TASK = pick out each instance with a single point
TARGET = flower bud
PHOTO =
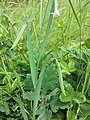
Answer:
(56, 13)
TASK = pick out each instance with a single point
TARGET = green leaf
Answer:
(15, 84)
(18, 36)
(1, 25)
(3, 50)
(28, 95)
(84, 109)
(71, 66)
(58, 116)
(71, 115)
(64, 65)
(71, 94)
(31, 57)
(66, 98)
(68, 87)
(53, 93)
(38, 88)
(44, 114)
(29, 83)
(87, 78)
(55, 104)
(41, 52)
(4, 107)
(20, 30)
(41, 111)
(78, 96)
(65, 68)
(46, 11)
(74, 12)
(50, 79)
(60, 77)
(87, 43)
(22, 108)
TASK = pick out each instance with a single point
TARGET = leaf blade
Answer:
(31, 58)
(41, 52)
(22, 108)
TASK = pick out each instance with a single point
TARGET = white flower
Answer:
(56, 13)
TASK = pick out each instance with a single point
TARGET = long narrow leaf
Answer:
(31, 57)
(20, 30)
(87, 77)
(84, 6)
(46, 11)
(19, 36)
(74, 12)
(41, 52)
(22, 108)
(3, 28)
(38, 89)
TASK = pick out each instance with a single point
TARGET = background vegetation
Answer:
(44, 60)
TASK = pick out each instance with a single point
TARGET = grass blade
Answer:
(87, 78)
(18, 37)
(31, 57)
(22, 108)
(41, 14)
(84, 6)
(20, 31)
(41, 52)
(88, 84)
(74, 12)
(4, 28)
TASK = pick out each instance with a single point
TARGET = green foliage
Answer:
(50, 80)
(31, 57)
(71, 95)
(22, 108)
(87, 43)
(60, 77)
(67, 68)
(44, 61)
